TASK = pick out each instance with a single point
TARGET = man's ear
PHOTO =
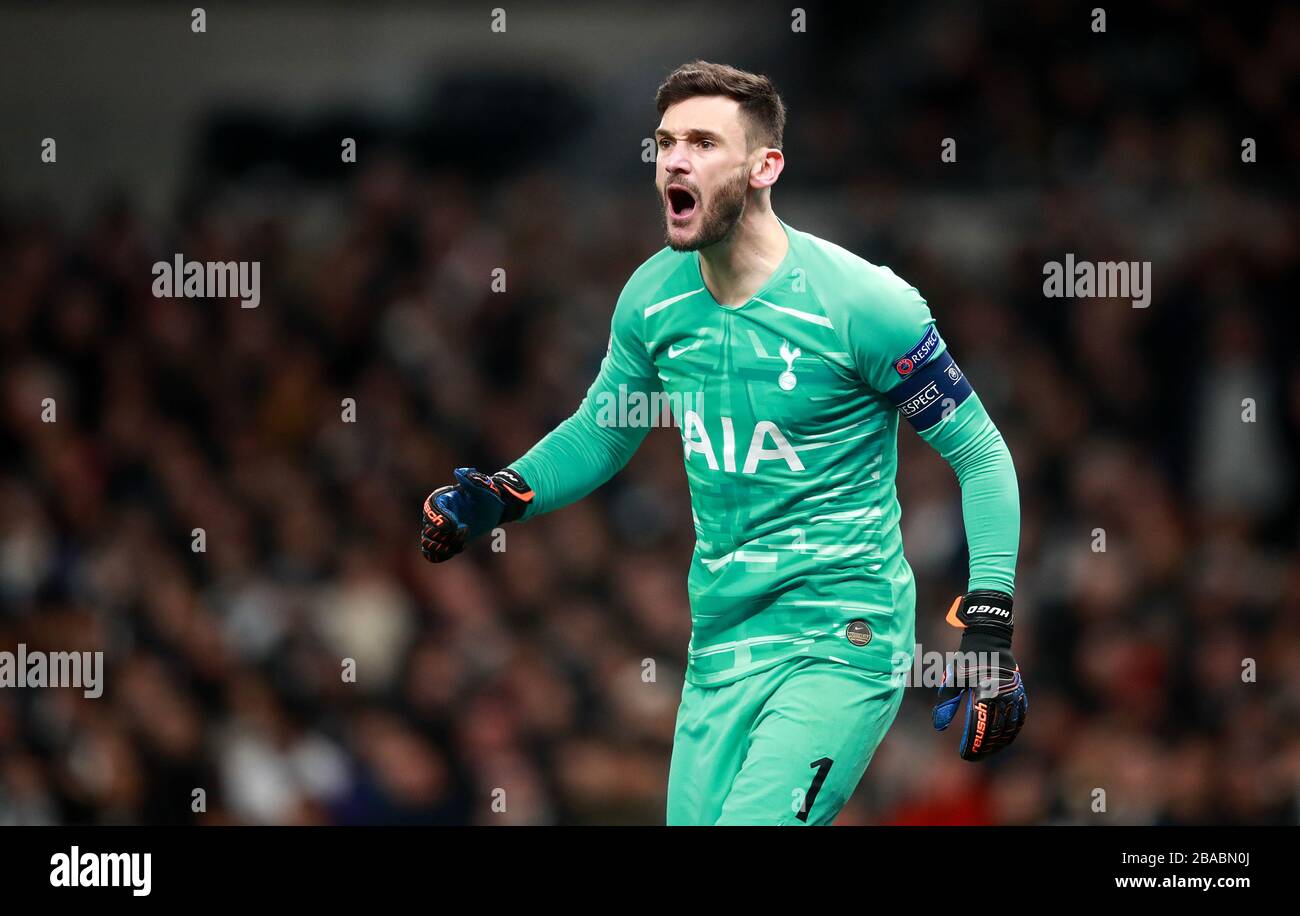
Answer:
(767, 169)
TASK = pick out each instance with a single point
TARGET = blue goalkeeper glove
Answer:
(455, 515)
(985, 669)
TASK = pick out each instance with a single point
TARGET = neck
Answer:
(738, 266)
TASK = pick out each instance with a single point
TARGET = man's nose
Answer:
(676, 162)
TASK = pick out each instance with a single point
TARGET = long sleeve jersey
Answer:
(788, 407)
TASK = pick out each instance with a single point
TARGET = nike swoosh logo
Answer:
(674, 352)
(525, 497)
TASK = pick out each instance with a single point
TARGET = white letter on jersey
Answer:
(728, 446)
(757, 453)
(701, 444)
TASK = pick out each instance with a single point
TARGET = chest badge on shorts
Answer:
(787, 379)
(858, 633)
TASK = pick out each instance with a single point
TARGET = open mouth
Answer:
(681, 202)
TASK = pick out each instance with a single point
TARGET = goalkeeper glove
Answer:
(455, 515)
(986, 669)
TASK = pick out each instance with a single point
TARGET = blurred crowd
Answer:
(307, 666)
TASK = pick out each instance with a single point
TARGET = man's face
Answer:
(701, 171)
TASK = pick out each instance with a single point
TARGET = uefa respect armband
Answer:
(929, 392)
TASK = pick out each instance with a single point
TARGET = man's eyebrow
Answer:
(695, 132)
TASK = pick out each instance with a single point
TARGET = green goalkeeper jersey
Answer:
(788, 408)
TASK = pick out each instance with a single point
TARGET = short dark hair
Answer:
(759, 101)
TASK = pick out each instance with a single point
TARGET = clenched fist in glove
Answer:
(475, 504)
(987, 671)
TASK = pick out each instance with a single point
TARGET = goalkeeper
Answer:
(797, 360)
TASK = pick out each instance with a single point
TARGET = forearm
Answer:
(597, 441)
(575, 458)
(990, 497)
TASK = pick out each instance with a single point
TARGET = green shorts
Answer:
(785, 745)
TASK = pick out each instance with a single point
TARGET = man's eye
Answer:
(664, 143)
(706, 144)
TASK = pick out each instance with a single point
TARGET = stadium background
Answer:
(523, 670)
